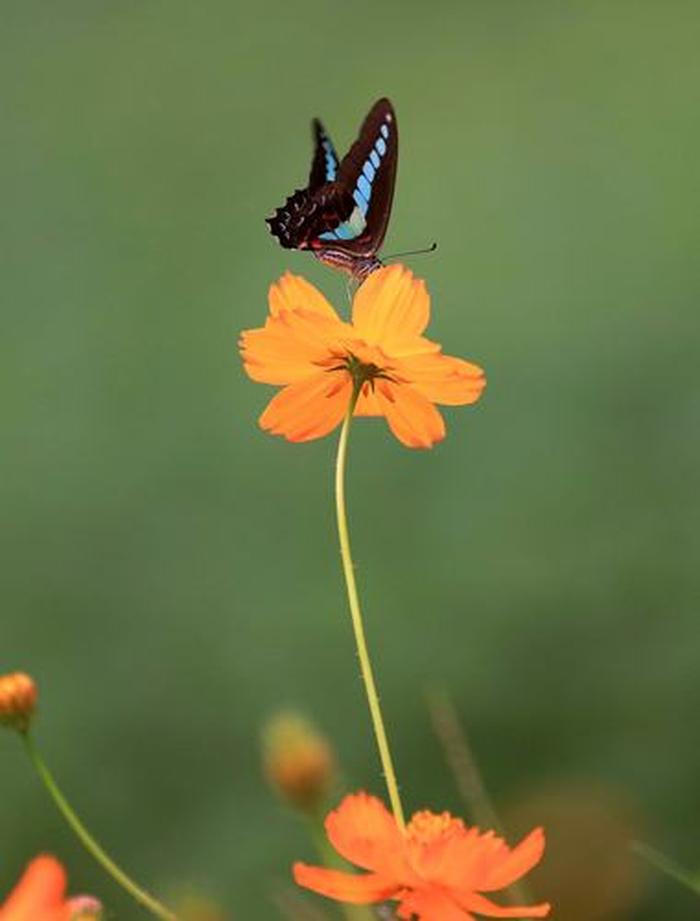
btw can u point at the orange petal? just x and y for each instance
(39, 894)
(483, 906)
(411, 417)
(367, 403)
(429, 903)
(463, 862)
(292, 292)
(346, 887)
(391, 308)
(443, 379)
(290, 346)
(309, 408)
(363, 831)
(515, 863)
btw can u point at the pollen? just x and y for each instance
(426, 827)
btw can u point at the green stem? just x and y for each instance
(665, 865)
(357, 625)
(66, 810)
(464, 766)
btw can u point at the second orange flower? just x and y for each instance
(437, 869)
(381, 356)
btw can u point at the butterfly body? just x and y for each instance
(342, 215)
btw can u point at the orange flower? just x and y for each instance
(40, 895)
(318, 359)
(435, 870)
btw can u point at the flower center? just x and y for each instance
(426, 827)
(361, 371)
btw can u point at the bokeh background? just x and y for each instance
(170, 573)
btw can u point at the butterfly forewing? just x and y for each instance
(368, 170)
(324, 167)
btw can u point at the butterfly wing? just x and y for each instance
(321, 206)
(344, 211)
(368, 174)
(306, 217)
(325, 165)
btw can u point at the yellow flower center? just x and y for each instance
(426, 827)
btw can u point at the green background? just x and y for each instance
(170, 573)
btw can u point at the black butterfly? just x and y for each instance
(343, 214)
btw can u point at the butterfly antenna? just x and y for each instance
(412, 252)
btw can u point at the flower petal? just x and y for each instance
(363, 831)
(442, 378)
(367, 403)
(429, 903)
(411, 417)
(293, 292)
(308, 409)
(291, 346)
(40, 893)
(392, 308)
(359, 889)
(484, 906)
(515, 863)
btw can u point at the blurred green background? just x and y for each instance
(170, 573)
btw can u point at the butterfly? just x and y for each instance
(342, 215)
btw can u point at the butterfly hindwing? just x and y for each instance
(306, 216)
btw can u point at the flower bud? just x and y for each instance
(298, 761)
(85, 908)
(194, 907)
(18, 696)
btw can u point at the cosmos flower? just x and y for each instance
(40, 894)
(322, 362)
(437, 869)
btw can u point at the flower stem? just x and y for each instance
(88, 841)
(665, 865)
(356, 615)
(465, 769)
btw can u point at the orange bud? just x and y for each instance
(298, 761)
(18, 696)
